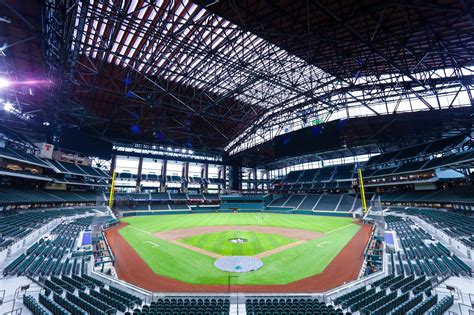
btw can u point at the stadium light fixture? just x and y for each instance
(7, 106)
(4, 83)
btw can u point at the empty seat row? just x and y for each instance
(422, 307)
(51, 305)
(408, 305)
(79, 302)
(289, 306)
(34, 306)
(185, 306)
(442, 306)
(109, 300)
(101, 305)
(69, 306)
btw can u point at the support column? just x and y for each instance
(221, 176)
(139, 175)
(224, 176)
(205, 176)
(185, 176)
(236, 177)
(255, 186)
(219, 185)
(163, 176)
(267, 179)
(249, 181)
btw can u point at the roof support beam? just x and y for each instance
(366, 42)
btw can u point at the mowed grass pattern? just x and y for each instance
(219, 242)
(296, 263)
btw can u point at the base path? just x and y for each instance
(344, 268)
(278, 249)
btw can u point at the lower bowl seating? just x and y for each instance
(201, 306)
(289, 306)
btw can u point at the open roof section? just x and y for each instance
(189, 61)
(183, 43)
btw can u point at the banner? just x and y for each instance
(46, 150)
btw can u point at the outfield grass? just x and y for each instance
(219, 242)
(295, 263)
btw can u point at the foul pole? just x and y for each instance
(112, 191)
(362, 191)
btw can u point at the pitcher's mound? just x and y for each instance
(238, 263)
(238, 240)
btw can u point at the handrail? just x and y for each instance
(365, 281)
(123, 284)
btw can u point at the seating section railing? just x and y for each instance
(450, 195)
(54, 256)
(422, 255)
(458, 226)
(17, 226)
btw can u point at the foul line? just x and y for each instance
(340, 228)
(319, 245)
(196, 249)
(152, 243)
(279, 249)
(140, 230)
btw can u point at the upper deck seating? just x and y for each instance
(345, 171)
(278, 202)
(294, 200)
(325, 174)
(160, 196)
(178, 196)
(328, 202)
(346, 203)
(293, 176)
(308, 176)
(310, 201)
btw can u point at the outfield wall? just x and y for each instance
(280, 210)
(158, 212)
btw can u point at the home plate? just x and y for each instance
(152, 243)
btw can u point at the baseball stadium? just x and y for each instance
(257, 157)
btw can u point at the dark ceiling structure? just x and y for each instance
(357, 137)
(346, 38)
(229, 75)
